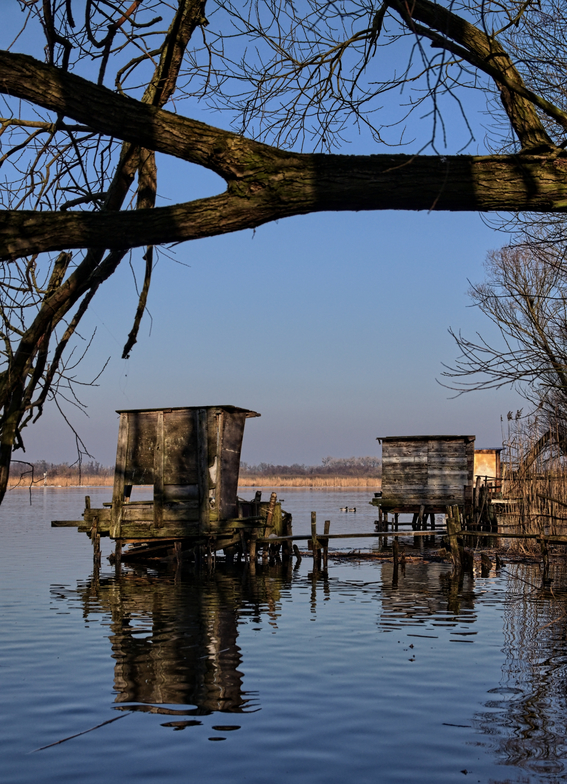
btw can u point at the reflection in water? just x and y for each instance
(525, 715)
(428, 593)
(174, 638)
(174, 641)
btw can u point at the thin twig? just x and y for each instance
(78, 734)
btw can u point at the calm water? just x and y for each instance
(276, 677)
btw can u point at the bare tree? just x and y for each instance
(525, 297)
(80, 133)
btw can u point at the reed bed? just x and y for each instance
(61, 481)
(310, 481)
(245, 481)
(534, 480)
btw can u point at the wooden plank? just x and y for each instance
(180, 448)
(138, 513)
(141, 447)
(233, 431)
(215, 425)
(138, 531)
(203, 468)
(552, 538)
(158, 470)
(374, 534)
(181, 493)
(119, 472)
(181, 513)
(67, 523)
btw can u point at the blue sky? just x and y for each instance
(333, 327)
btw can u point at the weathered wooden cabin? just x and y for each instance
(425, 474)
(190, 458)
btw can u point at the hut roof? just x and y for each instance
(232, 409)
(424, 438)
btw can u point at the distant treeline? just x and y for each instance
(330, 466)
(357, 469)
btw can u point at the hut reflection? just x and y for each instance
(426, 590)
(174, 637)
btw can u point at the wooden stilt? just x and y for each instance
(252, 547)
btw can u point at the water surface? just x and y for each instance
(232, 677)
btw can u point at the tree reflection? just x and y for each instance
(525, 714)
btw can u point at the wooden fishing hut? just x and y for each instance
(425, 474)
(190, 457)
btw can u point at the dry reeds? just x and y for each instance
(534, 479)
(246, 481)
(310, 481)
(61, 481)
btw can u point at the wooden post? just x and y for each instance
(268, 529)
(158, 471)
(453, 529)
(95, 539)
(314, 542)
(396, 520)
(252, 547)
(287, 546)
(476, 501)
(326, 546)
(118, 492)
(243, 550)
(203, 469)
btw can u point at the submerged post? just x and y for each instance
(453, 529)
